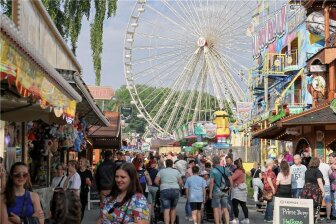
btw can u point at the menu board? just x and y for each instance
(293, 211)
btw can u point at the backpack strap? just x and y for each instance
(223, 175)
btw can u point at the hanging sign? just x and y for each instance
(318, 68)
(273, 29)
(210, 130)
(294, 131)
(293, 211)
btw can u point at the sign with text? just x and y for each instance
(101, 92)
(293, 211)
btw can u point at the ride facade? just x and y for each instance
(292, 85)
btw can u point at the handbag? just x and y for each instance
(242, 186)
(267, 196)
(28, 219)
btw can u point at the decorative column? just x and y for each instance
(332, 81)
(326, 22)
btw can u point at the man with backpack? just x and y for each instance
(220, 185)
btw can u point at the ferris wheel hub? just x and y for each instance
(201, 42)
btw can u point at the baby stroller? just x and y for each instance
(207, 210)
(158, 211)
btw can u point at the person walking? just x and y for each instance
(152, 190)
(170, 182)
(188, 174)
(143, 175)
(105, 176)
(298, 171)
(17, 202)
(86, 182)
(284, 181)
(313, 187)
(126, 203)
(257, 184)
(270, 188)
(218, 193)
(325, 168)
(195, 191)
(64, 208)
(239, 192)
(332, 177)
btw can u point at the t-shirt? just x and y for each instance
(135, 209)
(83, 175)
(181, 165)
(324, 168)
(312, 175)
(56, 182)
(284, 180)
(255, 174)
(74, 182)
(217, 176)
(298, 175)
(195, 185)
(169, 178)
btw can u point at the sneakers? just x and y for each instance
(191, 219)
(328, 220)
(235, 221)
(247, 221)
(265, 220)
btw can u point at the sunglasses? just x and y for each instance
(18, 175)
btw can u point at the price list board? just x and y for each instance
(293, 211)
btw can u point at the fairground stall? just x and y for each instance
(292, 90)
(44, 117)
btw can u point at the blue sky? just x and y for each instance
(113, 43)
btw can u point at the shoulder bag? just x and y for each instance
(27, 219)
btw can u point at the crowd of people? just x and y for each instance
(306, 178)
(129, 185)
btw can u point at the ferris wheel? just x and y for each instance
(185, 59)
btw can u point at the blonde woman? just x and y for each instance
(257, 184)
(270, 187)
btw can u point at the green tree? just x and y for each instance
(123, 98)
(67, 16)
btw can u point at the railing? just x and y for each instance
(291, 60)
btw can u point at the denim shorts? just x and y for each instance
(327, 196)
(219, 199)
(169, 198)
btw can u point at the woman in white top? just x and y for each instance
(59, 179)
(73, 181)
(283, 182)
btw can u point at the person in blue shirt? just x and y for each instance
(219, 199)
(195, 191)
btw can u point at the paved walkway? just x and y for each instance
(255, 217)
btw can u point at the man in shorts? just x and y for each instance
(219, 199)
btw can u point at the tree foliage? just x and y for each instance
(67, 16)
(123, 98)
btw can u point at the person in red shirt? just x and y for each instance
(269, 186)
